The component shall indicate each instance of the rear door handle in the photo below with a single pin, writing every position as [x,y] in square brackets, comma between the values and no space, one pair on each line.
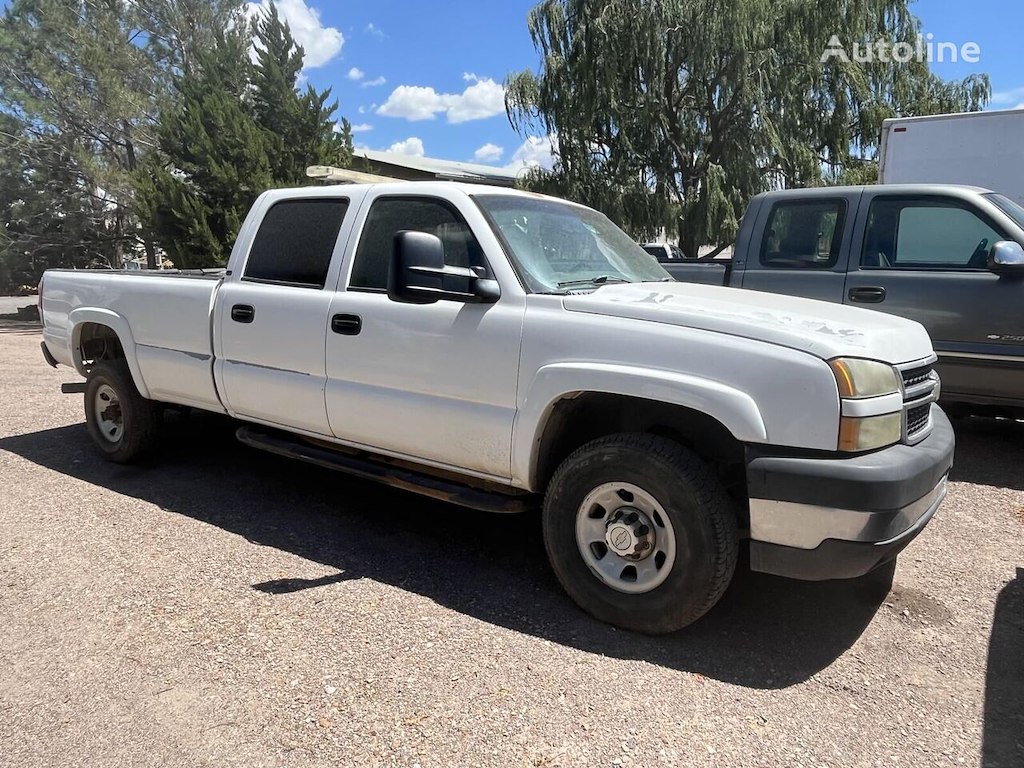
[870,294]
[243,313]
[346,325]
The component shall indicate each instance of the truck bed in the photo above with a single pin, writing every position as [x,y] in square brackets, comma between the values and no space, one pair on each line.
[168,324]
[712,272]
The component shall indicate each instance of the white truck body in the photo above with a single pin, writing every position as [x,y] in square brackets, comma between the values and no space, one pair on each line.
[980,149]
[477,390]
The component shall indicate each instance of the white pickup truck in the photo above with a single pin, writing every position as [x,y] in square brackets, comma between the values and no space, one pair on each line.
[488,346]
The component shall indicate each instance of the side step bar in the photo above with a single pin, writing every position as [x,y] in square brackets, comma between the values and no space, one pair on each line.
[407,479]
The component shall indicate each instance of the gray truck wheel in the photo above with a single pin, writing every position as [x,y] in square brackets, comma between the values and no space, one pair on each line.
[640,532]
[122,423]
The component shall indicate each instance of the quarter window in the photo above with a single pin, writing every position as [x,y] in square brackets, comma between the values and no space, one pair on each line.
[804,235]
[925,234]
[390,215]
[295,242]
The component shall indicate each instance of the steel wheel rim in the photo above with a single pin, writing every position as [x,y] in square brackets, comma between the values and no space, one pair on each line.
[611,542]
[109,418]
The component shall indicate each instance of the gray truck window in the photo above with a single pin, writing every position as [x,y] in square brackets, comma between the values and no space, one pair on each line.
[390,215]
[295,241]
[925,234]
[804,234]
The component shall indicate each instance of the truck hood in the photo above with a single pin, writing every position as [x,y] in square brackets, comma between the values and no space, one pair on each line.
[817,327]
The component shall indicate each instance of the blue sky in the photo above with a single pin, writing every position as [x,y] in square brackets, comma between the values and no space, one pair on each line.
[425,78]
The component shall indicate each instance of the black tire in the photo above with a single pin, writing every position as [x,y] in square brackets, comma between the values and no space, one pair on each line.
[702,519]
[140,418]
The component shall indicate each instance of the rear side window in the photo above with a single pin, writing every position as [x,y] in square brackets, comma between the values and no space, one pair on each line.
[295,241]
[390,215]
[925,234]
[804,235]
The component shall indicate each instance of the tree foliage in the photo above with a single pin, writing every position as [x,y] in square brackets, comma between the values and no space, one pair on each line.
[675,112]
[235,129]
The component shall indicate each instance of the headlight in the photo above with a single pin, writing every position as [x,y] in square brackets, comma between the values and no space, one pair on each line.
[868,432]
[864,378]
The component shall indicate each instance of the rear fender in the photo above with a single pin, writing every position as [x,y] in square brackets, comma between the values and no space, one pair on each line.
[119,325]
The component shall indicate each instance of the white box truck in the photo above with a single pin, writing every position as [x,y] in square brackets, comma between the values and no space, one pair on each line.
[982,149]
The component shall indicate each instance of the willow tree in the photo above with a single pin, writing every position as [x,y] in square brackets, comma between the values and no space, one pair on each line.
[675,112]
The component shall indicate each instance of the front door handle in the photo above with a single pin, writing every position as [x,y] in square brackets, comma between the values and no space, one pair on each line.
[346,325]
[869,294]
[243,313]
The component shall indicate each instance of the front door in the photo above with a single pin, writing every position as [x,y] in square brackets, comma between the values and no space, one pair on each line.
[924,258]
[433,382]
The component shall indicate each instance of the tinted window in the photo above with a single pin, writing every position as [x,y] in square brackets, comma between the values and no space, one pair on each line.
[804,235]
[922,234]
[389,216]
[295,241]
[658,251]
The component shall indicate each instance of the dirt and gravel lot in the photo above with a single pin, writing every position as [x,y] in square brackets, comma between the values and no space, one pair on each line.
[224,607]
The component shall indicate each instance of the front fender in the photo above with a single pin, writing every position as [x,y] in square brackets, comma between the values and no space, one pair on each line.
[734,409]
[119,325]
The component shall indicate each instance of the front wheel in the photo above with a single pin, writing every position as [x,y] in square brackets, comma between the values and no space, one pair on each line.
[122,423]
[640,532]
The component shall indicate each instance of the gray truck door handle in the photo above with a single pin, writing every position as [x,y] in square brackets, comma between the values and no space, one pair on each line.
[869,294]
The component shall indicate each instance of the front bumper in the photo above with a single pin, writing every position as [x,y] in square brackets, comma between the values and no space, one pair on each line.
[839,518]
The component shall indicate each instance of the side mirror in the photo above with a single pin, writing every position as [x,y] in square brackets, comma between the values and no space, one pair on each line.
[1006,258]
[418,274]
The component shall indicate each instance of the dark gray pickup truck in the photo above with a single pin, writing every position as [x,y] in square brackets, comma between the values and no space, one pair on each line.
[949,257]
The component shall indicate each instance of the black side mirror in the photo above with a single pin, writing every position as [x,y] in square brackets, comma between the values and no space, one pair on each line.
[418,274]
[1006,258]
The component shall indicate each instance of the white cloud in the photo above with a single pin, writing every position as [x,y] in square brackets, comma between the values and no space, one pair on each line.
[356,74]
[320,43]
[484,98]
[375,31]
[488,153]
[376,81]
[411,146]
[1009,96]
[533,152]
[361,128]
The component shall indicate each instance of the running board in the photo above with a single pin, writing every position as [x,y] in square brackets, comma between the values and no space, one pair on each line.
[407,479]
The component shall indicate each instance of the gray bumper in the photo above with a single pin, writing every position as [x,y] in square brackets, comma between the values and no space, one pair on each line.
[833,518]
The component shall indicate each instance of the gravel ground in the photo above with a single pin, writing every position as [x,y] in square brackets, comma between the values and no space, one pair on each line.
[225,607]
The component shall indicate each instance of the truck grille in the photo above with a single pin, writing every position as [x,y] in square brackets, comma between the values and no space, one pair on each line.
[920,390]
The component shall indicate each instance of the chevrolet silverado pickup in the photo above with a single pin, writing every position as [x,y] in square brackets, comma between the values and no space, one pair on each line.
[950,257]
[503,351]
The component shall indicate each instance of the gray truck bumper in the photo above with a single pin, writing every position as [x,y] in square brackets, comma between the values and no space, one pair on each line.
[838,518]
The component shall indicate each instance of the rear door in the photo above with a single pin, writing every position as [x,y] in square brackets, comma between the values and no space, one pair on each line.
[271,320]
[797,246]
[924,257]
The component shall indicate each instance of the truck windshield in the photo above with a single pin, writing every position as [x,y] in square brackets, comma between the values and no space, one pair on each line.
[556,247]
[1007,206]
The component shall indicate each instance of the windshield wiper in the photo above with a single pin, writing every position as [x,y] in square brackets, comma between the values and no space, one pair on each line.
[599,280]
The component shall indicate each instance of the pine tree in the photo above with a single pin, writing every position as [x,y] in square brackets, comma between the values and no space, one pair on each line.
[218,158]
[299,127]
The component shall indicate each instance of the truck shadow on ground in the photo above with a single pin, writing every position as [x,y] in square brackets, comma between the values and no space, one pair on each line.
[989,452]
[1003,744]
[765,633]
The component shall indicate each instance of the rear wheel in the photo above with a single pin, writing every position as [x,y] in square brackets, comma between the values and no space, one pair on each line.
[640,532]
[122,423]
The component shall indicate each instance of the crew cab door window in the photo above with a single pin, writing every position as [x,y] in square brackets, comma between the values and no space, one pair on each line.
[925,234]
[804,234]
[390,215]
[295,241]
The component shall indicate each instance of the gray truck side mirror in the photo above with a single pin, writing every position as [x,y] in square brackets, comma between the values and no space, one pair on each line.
[1006,258]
